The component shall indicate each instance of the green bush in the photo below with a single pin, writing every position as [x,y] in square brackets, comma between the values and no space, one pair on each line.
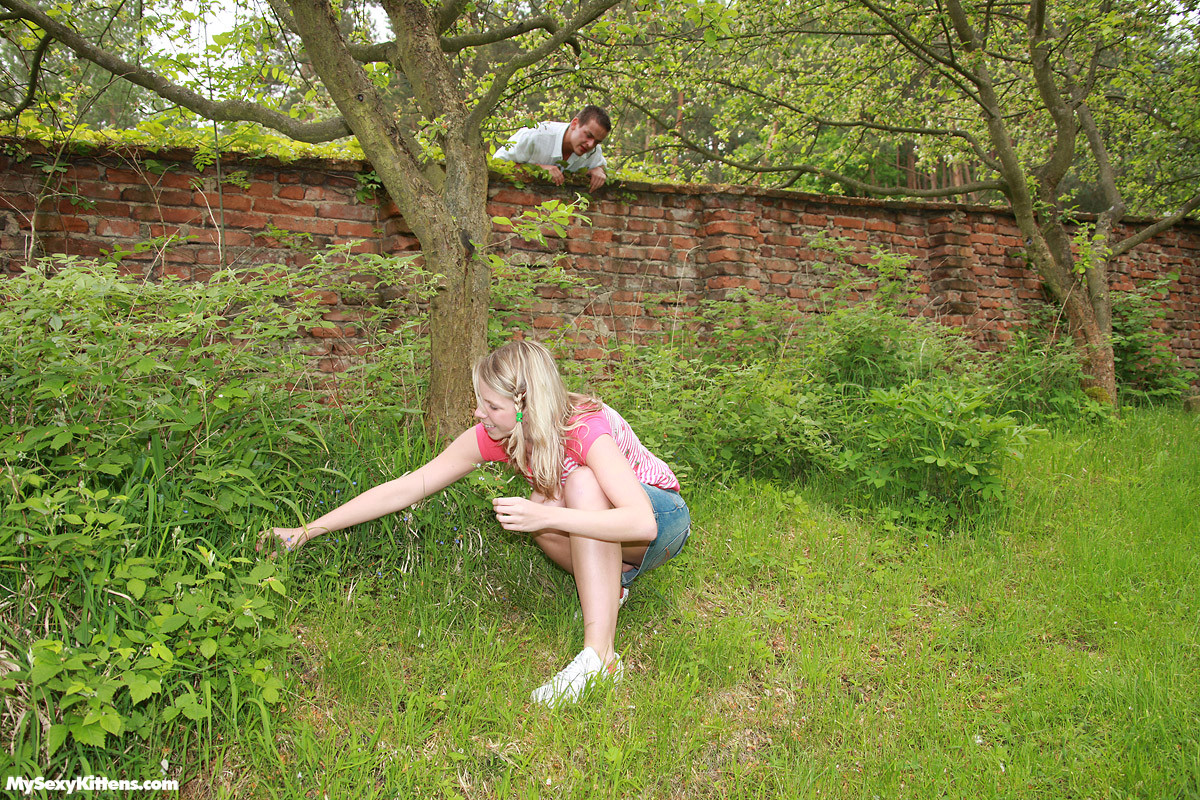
[146,431]
[1148,372]
[137,637]
[720,416]
[896,411]
[930,442]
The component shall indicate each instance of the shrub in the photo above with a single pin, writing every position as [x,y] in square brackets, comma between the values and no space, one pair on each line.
[144,427]
[931,442]
[897,410]
[1148,372]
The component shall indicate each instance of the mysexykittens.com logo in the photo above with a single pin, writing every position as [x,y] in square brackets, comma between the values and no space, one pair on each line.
[88,783]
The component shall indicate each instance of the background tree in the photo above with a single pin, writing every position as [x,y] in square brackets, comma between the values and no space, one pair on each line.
[417,104]
[1051,107]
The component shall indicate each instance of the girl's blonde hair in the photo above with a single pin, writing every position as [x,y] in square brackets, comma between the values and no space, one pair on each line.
[525,372]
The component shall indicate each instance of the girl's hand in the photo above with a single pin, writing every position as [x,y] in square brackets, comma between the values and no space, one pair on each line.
[519,514]
[284,539]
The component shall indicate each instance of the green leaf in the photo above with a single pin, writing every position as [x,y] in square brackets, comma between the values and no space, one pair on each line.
[208,648]
[43,672]
[136,587]
[112,722]
[91,734]
[162,651]
[140,688]
[55,738]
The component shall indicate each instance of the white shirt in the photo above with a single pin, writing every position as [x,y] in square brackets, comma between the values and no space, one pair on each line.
[543,145]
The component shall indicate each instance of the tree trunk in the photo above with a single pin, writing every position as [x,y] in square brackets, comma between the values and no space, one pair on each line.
[1089,317]
[445,204]
[1094,345]
[458,312]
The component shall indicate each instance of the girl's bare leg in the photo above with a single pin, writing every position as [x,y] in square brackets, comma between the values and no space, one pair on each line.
[595,564]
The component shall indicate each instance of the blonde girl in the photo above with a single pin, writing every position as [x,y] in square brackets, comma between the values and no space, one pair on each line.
[601,506]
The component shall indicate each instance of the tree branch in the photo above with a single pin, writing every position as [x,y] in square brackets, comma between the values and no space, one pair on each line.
[925,53]
[34,72]
[448,13]
[1062,154]
[968,137]
[588,11]
[454,44]
[218,111]
[382,51]
[1149,232]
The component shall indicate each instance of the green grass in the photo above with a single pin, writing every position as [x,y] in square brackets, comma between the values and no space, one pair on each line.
[1051,650]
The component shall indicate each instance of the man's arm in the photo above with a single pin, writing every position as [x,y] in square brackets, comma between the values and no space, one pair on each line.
[523,149]
[519,148]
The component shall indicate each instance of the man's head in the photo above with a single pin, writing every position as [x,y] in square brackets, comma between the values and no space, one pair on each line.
[587,129]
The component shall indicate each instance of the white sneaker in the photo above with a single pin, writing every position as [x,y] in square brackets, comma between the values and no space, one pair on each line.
[571,682]
[622,597]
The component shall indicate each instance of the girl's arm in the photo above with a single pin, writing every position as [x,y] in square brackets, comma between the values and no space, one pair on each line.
[631,518]
[456,461]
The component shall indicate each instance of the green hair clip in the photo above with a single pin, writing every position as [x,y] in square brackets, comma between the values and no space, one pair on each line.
[519,415]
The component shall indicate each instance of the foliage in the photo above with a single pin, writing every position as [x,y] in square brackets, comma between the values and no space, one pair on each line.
[384,296]
[1047,108]
[140,637]
[100,368]
[899,407]
[791,650]
[520,277]
[892,407]
[1039,373]
[139,417]
[1148,372]
[1038,376]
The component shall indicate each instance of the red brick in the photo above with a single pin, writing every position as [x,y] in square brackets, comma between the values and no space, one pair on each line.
[107,209]
[727,254]
[732,228]
[118,227]
[273,205]
[365,213]
[359,230]
[167,214]
[174,180]
[118,175]
[517,197]
[246,219]
[216,202]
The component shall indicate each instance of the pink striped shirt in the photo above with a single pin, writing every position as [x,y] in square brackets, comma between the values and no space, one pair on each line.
[649,468]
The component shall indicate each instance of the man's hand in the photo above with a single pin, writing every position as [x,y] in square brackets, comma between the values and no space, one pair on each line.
[556,174]
[598,177]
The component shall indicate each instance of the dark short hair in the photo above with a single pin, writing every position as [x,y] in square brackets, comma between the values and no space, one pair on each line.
[596,113]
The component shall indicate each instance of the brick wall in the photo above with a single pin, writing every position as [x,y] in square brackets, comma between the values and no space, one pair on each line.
[647,245]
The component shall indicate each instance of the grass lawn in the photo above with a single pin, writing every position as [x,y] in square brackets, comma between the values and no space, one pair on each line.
[1050,650]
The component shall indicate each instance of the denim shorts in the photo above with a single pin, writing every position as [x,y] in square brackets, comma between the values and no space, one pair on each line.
[674,524]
